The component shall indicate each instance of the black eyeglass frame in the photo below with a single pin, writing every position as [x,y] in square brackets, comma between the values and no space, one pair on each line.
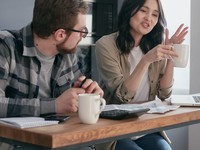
[84,32]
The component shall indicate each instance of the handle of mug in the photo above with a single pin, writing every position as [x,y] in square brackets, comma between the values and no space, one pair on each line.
[103,104]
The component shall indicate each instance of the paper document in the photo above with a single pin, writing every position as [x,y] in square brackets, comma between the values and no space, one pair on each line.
[155,106]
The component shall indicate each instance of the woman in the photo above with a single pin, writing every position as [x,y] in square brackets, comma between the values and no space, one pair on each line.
[135,63]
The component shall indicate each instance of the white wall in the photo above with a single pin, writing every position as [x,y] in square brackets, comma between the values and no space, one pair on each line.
[194,130]
[195,52]
[14,14]
[175,16]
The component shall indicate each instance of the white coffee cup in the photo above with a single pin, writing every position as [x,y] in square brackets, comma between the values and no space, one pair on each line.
[183,55]
[89,107]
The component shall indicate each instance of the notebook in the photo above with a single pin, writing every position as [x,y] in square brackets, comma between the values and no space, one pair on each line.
[185,100]
[26,122]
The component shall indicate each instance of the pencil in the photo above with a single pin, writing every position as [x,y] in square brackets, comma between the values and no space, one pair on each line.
[86,77]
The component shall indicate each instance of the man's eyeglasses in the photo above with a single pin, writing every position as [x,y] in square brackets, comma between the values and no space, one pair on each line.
[84,32]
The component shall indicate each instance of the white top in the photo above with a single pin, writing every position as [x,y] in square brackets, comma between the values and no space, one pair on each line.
[142,93]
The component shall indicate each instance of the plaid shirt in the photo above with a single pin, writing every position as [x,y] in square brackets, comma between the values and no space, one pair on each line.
[19,75]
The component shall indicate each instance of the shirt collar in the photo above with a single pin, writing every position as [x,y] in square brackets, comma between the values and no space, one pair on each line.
[28,42]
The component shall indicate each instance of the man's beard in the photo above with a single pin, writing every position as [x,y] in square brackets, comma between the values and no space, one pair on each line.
[62,50]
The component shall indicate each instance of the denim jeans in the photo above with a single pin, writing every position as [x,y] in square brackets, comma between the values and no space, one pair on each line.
[152,141]
[29,148]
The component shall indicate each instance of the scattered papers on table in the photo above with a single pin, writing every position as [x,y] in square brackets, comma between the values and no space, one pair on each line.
[155,106]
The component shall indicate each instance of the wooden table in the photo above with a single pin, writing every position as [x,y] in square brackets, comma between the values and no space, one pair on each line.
[75,134]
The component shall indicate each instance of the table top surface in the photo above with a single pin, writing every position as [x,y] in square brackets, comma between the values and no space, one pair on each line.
[74,132]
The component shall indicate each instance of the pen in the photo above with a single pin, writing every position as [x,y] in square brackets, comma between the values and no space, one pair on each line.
[83,81]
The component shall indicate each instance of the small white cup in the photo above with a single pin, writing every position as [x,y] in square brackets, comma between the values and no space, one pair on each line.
[89,107]
[183,55]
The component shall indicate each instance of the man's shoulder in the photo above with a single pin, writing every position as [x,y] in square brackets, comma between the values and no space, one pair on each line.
[6,39]
[10,37]
[5,35]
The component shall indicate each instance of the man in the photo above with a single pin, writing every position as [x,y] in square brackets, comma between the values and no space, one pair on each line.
[39,71]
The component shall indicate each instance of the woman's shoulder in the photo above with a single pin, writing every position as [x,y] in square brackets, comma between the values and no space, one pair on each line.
[107,44]
[108,38]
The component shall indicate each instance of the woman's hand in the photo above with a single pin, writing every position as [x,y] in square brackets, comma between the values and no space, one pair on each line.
[159,52]
[178,37]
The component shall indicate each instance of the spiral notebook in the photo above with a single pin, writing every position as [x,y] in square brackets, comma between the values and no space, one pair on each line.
[26,122]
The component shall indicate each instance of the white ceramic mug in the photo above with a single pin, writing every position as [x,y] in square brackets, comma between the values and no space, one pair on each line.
[89,107]
[183,55]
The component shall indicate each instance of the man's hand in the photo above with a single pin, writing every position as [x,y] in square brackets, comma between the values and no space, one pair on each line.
[89,85]
[68,101]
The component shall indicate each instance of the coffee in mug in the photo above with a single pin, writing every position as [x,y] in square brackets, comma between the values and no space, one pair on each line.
[183,55]
[89,107]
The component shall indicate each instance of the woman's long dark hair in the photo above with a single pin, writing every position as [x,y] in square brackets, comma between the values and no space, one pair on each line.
[125,41]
